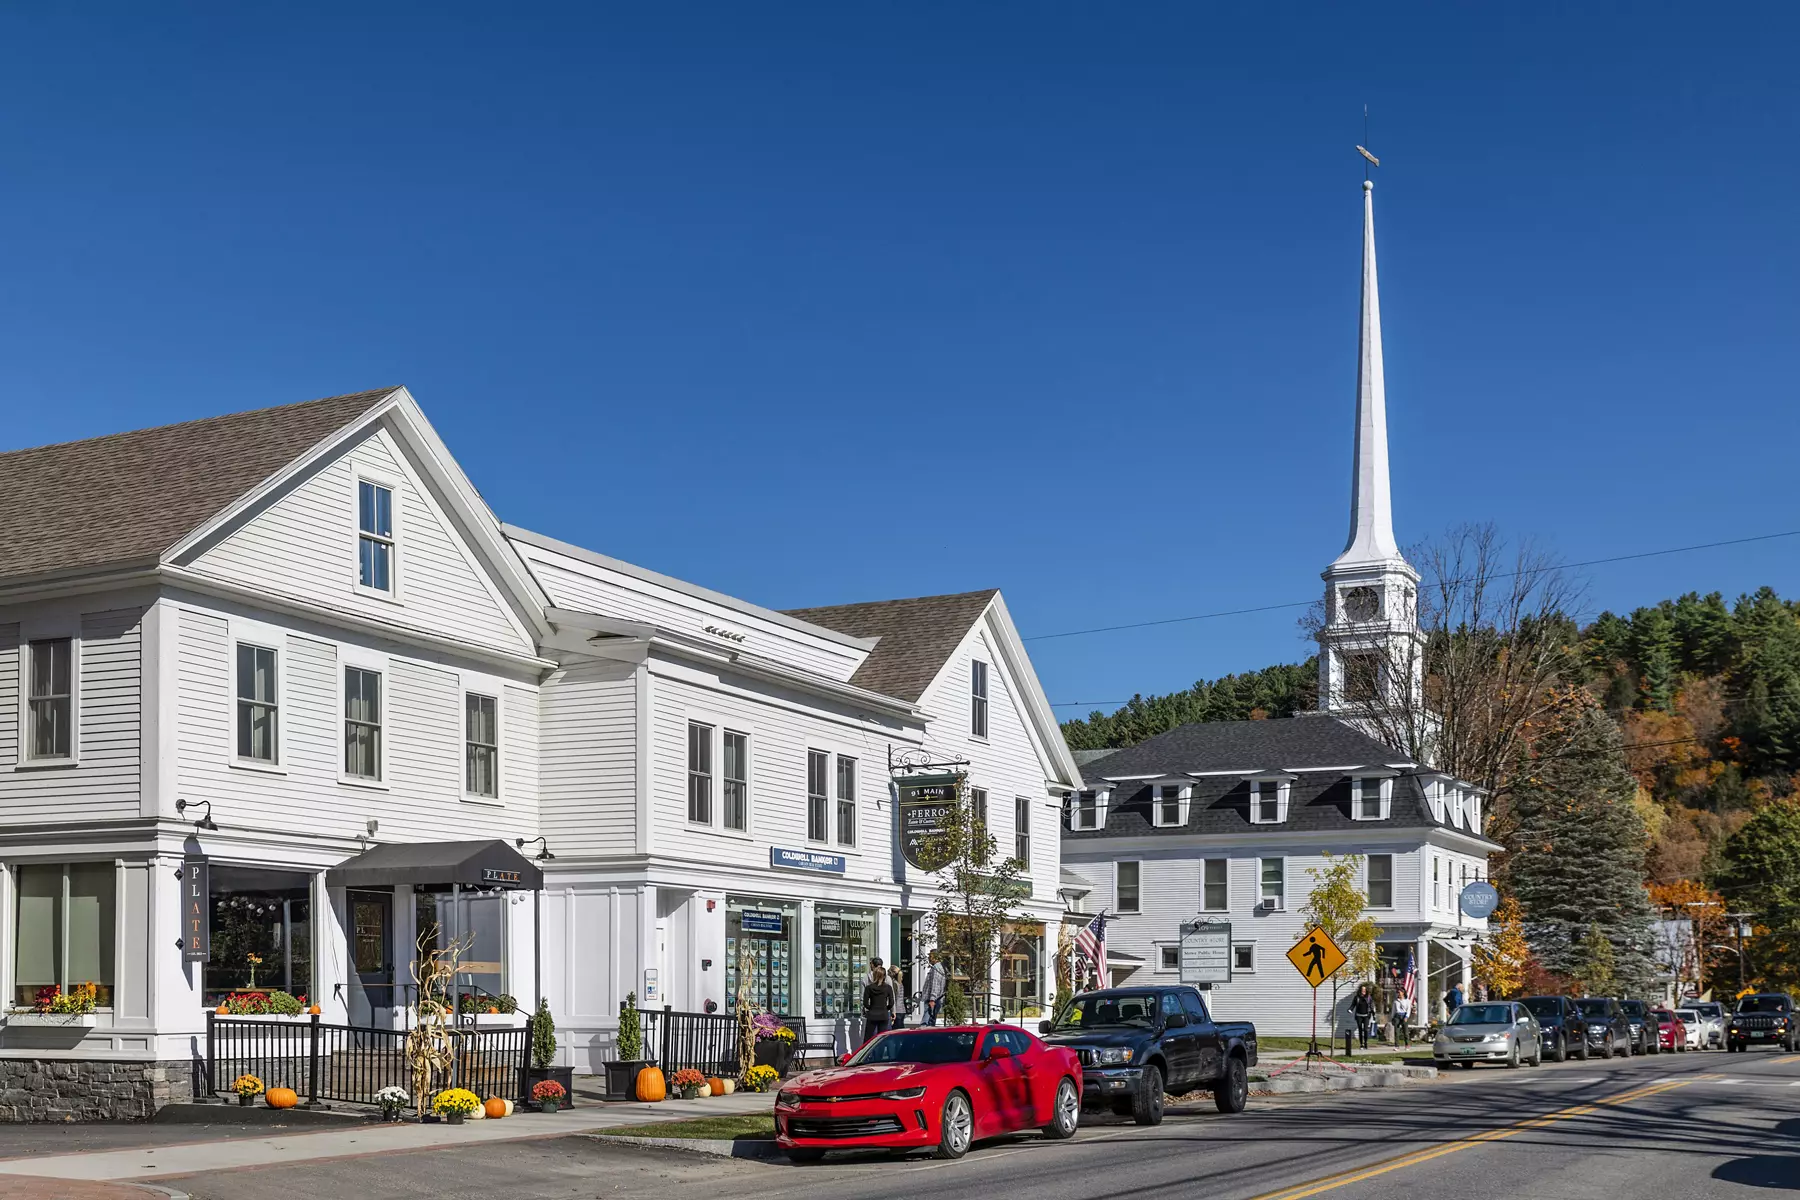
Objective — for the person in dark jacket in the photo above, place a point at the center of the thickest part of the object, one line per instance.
(1362, 1007)
(877, 1001)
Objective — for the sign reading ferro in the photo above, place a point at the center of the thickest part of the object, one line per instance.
(196, 909)
(927, 806)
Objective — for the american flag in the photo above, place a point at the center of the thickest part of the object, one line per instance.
(1091, 941)
(1409, 982)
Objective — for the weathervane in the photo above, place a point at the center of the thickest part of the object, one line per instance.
(1363, 150)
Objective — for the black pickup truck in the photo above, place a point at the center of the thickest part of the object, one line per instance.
(1136, 1044)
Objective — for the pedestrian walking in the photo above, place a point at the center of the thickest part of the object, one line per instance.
(1402, 1019)
(901, 1005)
(1362, 1007)
(936, 986)
(877, 1001)
(1453, 999)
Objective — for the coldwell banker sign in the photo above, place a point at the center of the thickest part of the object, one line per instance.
(927, 806)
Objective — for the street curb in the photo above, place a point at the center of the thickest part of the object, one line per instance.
(1372, 1076)
(720, 1147)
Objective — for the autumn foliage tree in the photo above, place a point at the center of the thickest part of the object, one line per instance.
(1338, 905)
(1503, 956)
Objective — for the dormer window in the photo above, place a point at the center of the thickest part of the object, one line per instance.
(1474, 812)
(1171, 806)
(1371, 798)
(1087, 811)
(1456, 806)
(1268, 801)
(1434, 792)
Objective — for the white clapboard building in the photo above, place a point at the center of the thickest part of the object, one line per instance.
(286, 666)
(1224, 822)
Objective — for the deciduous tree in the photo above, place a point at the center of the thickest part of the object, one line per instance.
(1501, 958)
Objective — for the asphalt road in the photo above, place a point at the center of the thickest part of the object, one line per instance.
(1667, 1127)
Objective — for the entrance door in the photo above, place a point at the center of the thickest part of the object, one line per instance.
(372, 995)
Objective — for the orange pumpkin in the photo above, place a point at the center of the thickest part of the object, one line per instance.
(221, 1010)
(314, 1010)
(717, 1086)
(281, 1097)
(651, 1085)
(495, 1108)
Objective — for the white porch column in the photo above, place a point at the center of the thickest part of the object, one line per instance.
(1047, 966)
(331, 956)
(884, 936)
(1424, 993)
(804, 1003)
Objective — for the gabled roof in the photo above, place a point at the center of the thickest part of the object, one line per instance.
(128, 497)
(917, 636)
(1248, 746)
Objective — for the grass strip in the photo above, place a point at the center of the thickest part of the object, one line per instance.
(748, 1125)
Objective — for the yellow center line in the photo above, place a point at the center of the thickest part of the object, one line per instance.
(1788, 1058)
(1330, 1182)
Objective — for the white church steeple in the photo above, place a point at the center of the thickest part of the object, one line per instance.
(1369, 646)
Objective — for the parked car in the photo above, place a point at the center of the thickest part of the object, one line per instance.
(1561, 1026)
(1690, 1022)
(1499, 1031)
(1608, 1028)
(942, 1088)
(1138, 1044)
(1643, 1030)
(1670, 1033)
(1766, 1017)
(1712, 1023)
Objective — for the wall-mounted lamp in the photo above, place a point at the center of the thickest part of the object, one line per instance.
(206, 821)
(543, 854)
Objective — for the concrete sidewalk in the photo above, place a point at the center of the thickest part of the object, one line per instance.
(146, 1162)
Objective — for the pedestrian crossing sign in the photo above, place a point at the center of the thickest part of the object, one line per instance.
(1316, 956)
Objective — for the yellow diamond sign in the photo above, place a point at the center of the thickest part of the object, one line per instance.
(1316, 956)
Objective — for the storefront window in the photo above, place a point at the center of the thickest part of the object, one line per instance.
(843, 944)
(1021, 953)
(261, 927)
(760, 940)
(477, 918)
(64, 935)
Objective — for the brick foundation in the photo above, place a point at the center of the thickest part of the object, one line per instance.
(48, 1089)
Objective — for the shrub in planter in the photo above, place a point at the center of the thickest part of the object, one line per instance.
(622, 1075)
(549, 1095)
(690, 1082)
(454, 1104)
(761, 1079)
(393, 1100)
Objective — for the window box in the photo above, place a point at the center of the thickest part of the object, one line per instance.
(38, 1020)
(511, 1020)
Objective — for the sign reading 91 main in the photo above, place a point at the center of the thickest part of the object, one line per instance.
(927, 807)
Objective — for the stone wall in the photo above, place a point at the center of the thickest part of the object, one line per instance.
(49, 1089)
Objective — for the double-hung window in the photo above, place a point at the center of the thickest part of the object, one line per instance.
(1274, 882)
(1086, 812)
(1368, 804)
(978, 698)
(481, 745)
(736, 782)
(258, 704)
(50, 699)
(362, 723)
(700, 770)
(1381, 880)
(1214, 896)
(1437, 895)
(64, 936)
(846, 801)
(1022, 830)
(978, 806)
(1169, 797)
(374, 536)
(1268, 804)
(1125, 886)
(818, 796)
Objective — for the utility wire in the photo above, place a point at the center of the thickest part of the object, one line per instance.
(1548, 568)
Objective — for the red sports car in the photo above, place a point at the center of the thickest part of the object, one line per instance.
(943, 1088)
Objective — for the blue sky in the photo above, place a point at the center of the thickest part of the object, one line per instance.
(839, 302)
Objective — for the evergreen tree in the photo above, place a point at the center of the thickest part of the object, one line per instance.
(1653, 649)
(1760, 874)
(1279, 691)
(1705, 633)
(1767, 675)
(1577, 857)
(1599, 975)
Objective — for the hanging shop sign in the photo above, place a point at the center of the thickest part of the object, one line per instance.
(806, 860)
(927, 806)
(1206, 952)
(196, 909)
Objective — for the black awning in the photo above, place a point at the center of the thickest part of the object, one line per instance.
(426, 864)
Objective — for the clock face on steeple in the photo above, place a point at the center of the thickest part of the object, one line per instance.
(1362, 604)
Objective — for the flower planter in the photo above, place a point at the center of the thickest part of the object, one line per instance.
(549, 1106)
(38, 1020)
(690, 1092)
(454, 1118)
(562, 1075)
(246, 1101)
(774, 1052)
(621, 1078)
(511, 1020)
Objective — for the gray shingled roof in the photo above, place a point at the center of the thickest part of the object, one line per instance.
(1315, 748)
(127, 497)
(918, 636)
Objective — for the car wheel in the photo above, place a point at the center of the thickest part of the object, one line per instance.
(1560, 1051)
(1582, 1053)
(1512, 1057)
(1233, 1091)
(1147, 1106)
(804, 1154)
(956, 1126)
(1065, 1113)
(1537, 1053)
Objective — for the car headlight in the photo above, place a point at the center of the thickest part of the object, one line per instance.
(786, 1099)
(1112, 1056)
(1494, 1037)
(1600, 1029)
(904, 1094)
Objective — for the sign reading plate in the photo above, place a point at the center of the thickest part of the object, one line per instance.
(1479, 899)
(1316, 956)
(196, 909)
(1206, 952)
(927, 805)
(806, 860)
(504, 878)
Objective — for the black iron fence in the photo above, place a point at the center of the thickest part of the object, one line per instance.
(350, 1063)
(707, 1042)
